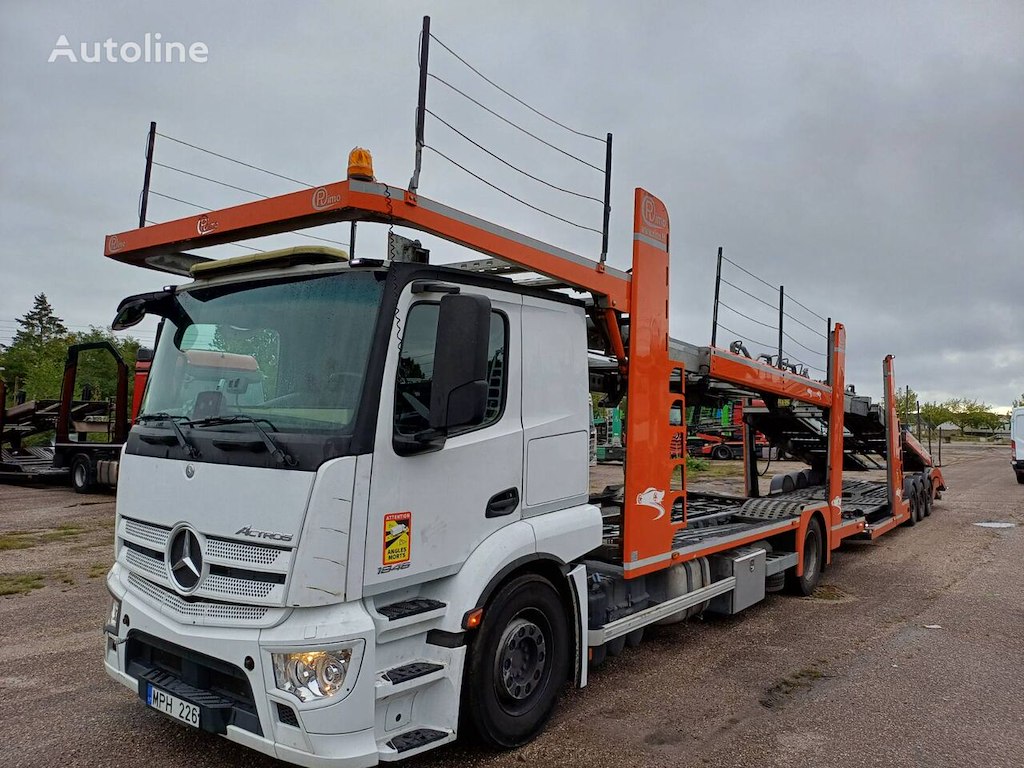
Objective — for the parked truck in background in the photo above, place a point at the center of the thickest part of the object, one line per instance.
(88, 431)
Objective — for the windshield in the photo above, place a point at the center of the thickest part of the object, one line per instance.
(291, 353)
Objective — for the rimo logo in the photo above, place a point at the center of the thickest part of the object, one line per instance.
(152, 50)
(254, 534)
(205, 225)
(114, 244)
(652, 216)
(323, 199)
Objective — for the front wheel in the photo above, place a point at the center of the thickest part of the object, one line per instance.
(814, 560)
(1020, 478)
(518, 663)
(722, 452)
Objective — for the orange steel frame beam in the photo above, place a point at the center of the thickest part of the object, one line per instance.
(766, 379)
(354, 200)
(836, 413)
(899, 506)
(648, 526)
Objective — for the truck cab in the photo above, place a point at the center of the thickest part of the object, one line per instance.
(334, 462)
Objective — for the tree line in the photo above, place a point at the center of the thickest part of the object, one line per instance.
(966, 413)
(32, 365)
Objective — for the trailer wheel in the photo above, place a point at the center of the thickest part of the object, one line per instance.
(910, 494)
(82, 477)
(926, 501)
(519, 663)
(722, 452)
(814, 560)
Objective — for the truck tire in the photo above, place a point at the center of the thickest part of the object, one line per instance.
(1020, 478)
(519, 663)
(910, 494)
(814, 560)
(926, 502)
(82, 475)
(722, 452)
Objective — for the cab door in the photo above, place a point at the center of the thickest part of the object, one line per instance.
(428, 511)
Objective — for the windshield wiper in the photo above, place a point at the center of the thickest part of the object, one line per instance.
(280, 456)
(183, 441)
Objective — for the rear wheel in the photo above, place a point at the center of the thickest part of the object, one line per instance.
(82, 479)
(814, 560)
(721, 452)
(910, 494)
(519, 663)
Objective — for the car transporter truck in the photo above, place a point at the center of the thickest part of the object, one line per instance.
(382, 527)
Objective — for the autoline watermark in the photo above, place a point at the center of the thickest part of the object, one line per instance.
(151, 50)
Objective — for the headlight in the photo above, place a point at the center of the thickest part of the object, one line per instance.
(114, 617)
(314, 674)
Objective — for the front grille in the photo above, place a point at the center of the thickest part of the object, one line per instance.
(251, 554)
(238, 571)
(238, 587)
(150, 534)
(221, 689)
(144, 562)
(201, 611)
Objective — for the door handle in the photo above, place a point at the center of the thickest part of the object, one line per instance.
(503, 503)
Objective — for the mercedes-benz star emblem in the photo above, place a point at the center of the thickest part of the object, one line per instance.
(190, 471)
(185, 556)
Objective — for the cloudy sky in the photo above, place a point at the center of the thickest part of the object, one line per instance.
(868, 156)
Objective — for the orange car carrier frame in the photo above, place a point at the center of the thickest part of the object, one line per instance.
(647, 543)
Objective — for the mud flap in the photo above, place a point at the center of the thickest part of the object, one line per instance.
(577, 578)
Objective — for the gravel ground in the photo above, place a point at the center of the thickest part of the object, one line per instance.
(910, 656)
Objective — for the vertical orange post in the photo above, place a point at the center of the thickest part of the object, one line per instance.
(837, 411)
(893, 447)
(647, 516)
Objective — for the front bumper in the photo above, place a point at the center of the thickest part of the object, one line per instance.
(227, 671)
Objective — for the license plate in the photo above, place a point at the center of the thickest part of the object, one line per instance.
(173, 706)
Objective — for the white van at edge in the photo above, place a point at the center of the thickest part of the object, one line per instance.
(1017, 443)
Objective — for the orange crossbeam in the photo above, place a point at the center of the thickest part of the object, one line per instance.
(765, 379)
(366, 201)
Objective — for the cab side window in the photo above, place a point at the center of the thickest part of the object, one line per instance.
(416, 369)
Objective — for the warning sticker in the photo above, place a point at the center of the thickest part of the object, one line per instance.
(397, 537)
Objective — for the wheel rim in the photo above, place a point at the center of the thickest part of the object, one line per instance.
(80, 475)
(521, 665)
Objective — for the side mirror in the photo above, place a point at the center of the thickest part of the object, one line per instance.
(129, 313)
(458, 397)
(131, 310)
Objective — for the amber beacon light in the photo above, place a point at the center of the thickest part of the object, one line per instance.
(360, 164)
